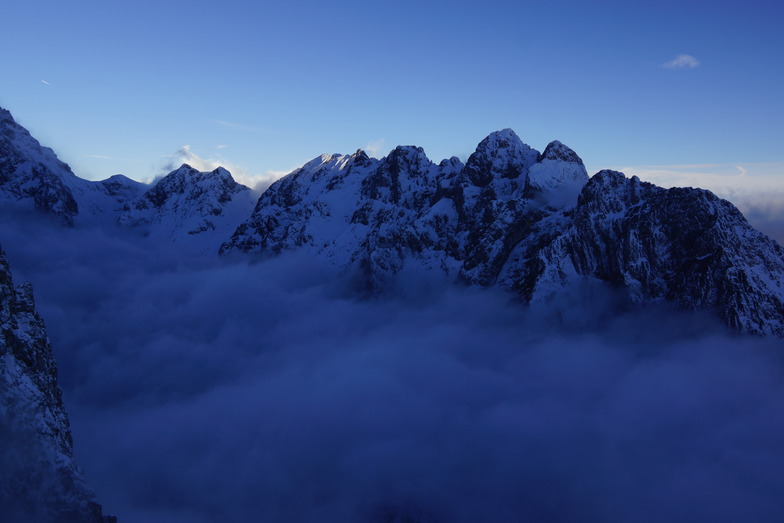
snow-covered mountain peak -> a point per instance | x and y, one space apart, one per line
407 150
408 159
556 150
360 157
557 178
612 190
120 179
500 155
122 187
188 203
451 165
186 179
32 176
5 117
500 139
184 169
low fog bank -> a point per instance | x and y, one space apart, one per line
201 390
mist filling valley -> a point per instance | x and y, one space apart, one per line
202 389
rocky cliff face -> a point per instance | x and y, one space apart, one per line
40 480
682 244
31 175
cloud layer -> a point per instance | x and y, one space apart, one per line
204 391
682 61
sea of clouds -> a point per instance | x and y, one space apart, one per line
208 390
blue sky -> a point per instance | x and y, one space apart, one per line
264 87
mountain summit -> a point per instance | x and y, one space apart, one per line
195 209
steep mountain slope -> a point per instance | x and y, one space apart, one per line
529 222
40 480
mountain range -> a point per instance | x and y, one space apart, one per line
528 221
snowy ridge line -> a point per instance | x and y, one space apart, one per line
530 222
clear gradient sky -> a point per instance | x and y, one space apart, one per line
666 89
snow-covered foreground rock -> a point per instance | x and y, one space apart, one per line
39 480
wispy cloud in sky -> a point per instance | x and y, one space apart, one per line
682 61
375 148
45 82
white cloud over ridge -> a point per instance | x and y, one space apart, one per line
256 181
376 148
682 61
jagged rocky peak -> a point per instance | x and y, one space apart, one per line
187 173
501 155
401 177
119 180
195 210
360 157
556 150
5 119
40 478
557 178
122 188
407 154
407 161
611 191
194 183
451 165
